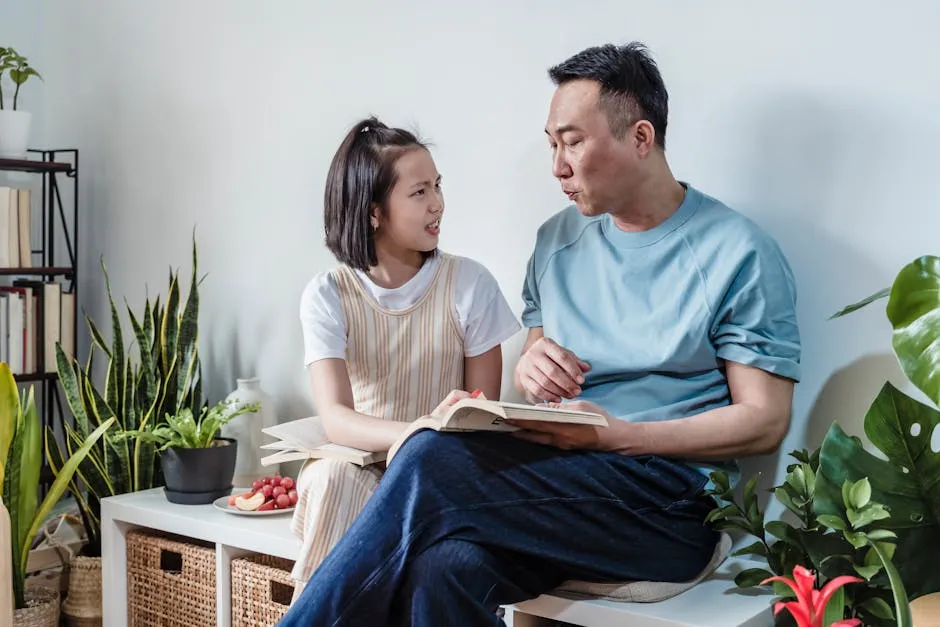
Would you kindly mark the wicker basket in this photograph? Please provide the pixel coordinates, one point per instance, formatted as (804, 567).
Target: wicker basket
(261, 590)
(82, 606)
(42, 609)
(170, 580)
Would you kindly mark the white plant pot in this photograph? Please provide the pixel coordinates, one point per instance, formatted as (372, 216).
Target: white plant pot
(14, 133)
(246, 430)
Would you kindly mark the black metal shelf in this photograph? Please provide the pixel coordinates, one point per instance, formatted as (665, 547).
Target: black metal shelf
(40, 271)
(56, 169)
(32, 165)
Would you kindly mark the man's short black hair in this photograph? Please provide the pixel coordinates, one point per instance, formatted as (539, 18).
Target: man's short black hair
(631, 86)
(361, 175)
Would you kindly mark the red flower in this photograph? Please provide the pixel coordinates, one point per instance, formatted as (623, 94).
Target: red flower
(810, 605)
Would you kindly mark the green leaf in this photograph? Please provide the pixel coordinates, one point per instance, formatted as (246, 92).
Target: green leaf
(914, 311)
(881, 534)
(855, 538)
(868, 515)
(59, 485)
(751, 577)
(784, 498)
(897, 588)
(30, 460)
(833, 522)
(782, 530)
(835, 608)
(862, 303)
(720, 479)
(750, 492)
(721, 513)
(757, 548)
(9, 410)
(69, 380)
(860, 493)
(912, 498)
(877, 607)
(867, 571)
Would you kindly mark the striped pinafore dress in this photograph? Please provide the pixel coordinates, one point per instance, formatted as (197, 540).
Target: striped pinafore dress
(401, 364)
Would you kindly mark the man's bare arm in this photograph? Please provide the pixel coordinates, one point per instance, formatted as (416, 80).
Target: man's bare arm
(755, 423)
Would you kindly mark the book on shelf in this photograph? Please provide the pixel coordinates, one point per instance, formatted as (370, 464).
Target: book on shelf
(15, 228)
(306, 438)
(22, 306)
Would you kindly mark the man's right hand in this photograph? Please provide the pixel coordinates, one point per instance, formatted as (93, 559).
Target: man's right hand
(549, 372)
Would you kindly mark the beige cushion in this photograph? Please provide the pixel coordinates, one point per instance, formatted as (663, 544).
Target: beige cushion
(647, 591)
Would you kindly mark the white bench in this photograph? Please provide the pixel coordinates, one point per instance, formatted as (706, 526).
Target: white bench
(713, 603)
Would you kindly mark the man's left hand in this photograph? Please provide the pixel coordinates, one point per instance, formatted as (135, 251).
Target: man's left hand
(565, 436)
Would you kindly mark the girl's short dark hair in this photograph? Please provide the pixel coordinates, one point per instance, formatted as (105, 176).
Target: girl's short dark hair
(362, 174)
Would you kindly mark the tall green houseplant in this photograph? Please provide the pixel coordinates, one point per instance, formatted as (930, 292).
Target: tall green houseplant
(162, 376)
(906, 430)
(20, 461)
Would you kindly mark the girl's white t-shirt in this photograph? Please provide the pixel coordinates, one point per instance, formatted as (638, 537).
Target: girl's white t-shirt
(481, 309)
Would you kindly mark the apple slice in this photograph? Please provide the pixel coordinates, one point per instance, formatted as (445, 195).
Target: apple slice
(249, 503)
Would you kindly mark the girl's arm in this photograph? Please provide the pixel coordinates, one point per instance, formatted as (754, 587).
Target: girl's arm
(333, 398)
(485, 373)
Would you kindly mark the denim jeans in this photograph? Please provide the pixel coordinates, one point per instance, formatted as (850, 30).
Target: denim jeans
(463, 523)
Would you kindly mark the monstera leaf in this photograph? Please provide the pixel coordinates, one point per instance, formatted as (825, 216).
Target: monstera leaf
(908, 484)
(914, 312)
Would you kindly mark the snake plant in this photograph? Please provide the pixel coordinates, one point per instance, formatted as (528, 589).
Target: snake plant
(162, 376)
(20, 461)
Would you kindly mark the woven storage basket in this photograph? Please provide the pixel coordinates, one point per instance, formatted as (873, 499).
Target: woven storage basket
(170, 580)
(82, 606)
(42, 609)
(261, 590)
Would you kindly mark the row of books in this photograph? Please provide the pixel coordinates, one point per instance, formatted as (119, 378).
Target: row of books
(26, 307)
(15, 243)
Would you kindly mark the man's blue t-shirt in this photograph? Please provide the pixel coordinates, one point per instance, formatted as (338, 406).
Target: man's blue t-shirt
(657, 312)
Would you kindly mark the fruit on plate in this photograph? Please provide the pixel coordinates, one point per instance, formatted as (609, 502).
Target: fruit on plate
(249, 503)
(266, 494)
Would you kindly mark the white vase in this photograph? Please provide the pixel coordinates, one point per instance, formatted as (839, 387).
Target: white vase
(246, 430)
(14, 133)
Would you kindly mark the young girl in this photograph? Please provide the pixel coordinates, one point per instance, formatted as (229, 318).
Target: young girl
(391, 331)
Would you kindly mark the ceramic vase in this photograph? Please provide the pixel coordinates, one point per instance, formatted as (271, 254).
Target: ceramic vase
(14, 133)
(246, 430)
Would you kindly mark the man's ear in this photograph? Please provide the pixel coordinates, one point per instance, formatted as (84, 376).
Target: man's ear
(643, 137)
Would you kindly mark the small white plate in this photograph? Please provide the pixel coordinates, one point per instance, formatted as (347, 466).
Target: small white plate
(222, 504)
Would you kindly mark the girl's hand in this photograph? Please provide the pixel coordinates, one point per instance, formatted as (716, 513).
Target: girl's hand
(452, 398)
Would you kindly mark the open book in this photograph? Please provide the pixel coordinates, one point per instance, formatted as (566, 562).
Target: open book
(305, 438)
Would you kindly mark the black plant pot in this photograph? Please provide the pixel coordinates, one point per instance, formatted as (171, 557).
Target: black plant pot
(198, 476)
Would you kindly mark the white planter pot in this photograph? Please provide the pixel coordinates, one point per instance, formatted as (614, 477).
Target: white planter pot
(246, 430)
(14, 133)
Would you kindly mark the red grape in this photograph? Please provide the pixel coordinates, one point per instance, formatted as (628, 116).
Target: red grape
(257, 485)
(267, 491)
(283, 501)
(288, 483)
(293, 497)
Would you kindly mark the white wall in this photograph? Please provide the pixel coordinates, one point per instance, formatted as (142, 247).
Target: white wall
(819, 121)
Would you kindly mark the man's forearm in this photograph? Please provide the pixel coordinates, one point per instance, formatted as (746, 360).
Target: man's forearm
(737, 430)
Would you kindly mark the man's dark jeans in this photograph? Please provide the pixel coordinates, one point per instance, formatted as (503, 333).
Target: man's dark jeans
(463, 523)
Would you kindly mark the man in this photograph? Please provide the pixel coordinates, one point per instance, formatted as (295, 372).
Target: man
(647, 301)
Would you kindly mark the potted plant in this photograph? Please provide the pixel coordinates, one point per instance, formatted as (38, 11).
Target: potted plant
(21, 455)
(877, 517)
(198, 463)
(14, 124)
(160, 375)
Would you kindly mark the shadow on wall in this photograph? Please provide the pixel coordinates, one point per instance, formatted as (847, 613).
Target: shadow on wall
(849, 392)
(804, 169)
